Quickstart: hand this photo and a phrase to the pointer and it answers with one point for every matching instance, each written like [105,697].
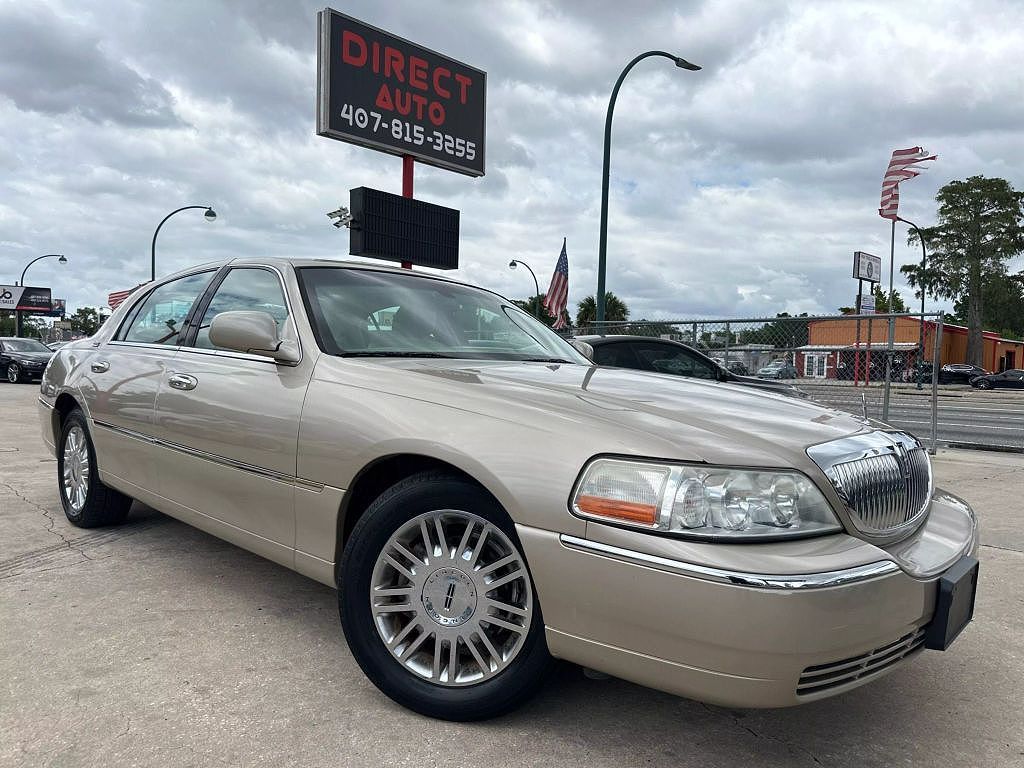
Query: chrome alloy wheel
[76,468]
[451,598]
[13,373]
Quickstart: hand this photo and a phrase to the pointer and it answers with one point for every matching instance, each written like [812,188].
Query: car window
[161,317]
[383,314]
[616,355]
[665,358]
[250,289]
[23,345]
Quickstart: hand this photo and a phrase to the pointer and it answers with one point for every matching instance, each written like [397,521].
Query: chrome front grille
[826,676]
[885,479]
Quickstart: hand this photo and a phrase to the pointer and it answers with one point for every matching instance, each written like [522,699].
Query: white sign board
[867,304]
[867,267]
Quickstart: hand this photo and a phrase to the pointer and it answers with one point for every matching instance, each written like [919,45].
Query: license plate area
[954,605]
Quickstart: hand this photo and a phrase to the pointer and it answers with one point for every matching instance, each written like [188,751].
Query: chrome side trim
[43,402]
[735,578]
[223,460]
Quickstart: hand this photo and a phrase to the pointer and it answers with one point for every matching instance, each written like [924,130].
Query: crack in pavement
[1004,549]
[793,748]
[49,516]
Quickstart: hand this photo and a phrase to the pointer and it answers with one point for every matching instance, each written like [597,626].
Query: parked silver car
[486,499]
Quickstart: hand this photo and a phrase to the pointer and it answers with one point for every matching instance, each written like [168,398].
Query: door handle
[100,366]
[182,381]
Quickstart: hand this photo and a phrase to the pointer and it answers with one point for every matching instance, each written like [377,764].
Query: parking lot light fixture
[61,259]
[602,255]
[209,215]
[536,285]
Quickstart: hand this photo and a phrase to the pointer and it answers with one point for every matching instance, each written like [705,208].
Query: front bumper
[744,638]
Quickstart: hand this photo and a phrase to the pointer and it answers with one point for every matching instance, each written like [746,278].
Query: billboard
[387,226]
[867,267]
[384,92]
[24,299]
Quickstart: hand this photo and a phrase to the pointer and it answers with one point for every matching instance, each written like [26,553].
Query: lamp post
[210,215]
[61,258]
[924,264]
[536,285]
[602,255]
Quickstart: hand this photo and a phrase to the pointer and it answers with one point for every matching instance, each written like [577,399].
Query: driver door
[229,422]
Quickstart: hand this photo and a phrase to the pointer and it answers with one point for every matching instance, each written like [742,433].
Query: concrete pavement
[154,644]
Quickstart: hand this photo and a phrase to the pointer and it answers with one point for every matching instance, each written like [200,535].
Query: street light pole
[61,258]
[602,254]
[536,285]
[924,264]
[210,215]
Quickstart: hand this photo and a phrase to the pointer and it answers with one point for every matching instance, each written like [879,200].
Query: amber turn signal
[615,509]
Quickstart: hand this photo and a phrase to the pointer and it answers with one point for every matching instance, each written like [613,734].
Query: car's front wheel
[13,373]
[87,502]
[437,603]
[983,384]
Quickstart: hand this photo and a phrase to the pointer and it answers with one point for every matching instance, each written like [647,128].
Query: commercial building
[838,349]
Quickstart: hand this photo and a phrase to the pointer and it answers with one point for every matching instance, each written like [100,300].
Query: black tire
[102,505]
[984,384]
[423,493]
[13,373]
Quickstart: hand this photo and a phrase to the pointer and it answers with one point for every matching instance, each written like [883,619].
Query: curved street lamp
[603,249]
[924,263]
[210,215]
[536,285]
[61,258]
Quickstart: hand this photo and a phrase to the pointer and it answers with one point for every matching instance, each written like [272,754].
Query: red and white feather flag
[902,166]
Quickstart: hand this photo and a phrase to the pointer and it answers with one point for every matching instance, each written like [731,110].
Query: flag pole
[892,324]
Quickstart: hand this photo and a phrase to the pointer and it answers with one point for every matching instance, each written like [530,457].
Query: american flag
[558,292]
[902,166]
[114,300]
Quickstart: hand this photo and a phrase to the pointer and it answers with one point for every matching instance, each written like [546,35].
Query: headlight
[703,501]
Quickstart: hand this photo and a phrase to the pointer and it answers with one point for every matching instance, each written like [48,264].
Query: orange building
[833,345]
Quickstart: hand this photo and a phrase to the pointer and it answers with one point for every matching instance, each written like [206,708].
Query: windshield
[24,345]
[382,314]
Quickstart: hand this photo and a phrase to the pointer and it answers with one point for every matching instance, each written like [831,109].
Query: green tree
[882,300]
[535,306]
[615,309]
[1002,307]
[86,320]
[981,227]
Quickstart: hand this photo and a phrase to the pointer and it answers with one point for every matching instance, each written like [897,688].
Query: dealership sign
[383,92]
[24,299]
[867,304]
[867,267]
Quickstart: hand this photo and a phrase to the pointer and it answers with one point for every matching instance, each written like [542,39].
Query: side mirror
[254,333]
[583,348]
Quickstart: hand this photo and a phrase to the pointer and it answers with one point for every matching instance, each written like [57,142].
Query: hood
[616,410]
[34,357]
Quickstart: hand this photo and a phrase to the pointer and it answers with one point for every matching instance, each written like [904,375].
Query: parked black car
[959,373]
[1010,379]
[23,359]
[647,353]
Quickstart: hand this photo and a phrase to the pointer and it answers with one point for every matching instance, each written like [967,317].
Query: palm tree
[614,309]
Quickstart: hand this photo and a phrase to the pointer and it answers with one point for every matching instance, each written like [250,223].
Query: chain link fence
[887,367]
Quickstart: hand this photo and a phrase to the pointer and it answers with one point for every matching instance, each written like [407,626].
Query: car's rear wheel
[87,502]
[13,373]
[983,384]
[437,603]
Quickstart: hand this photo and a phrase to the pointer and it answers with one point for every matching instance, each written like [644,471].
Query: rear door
[229,421]
[120,380]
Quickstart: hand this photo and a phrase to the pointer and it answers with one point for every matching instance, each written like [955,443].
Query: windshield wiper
[393,354]
[544,360]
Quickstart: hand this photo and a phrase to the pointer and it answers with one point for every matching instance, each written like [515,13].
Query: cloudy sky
[741,190]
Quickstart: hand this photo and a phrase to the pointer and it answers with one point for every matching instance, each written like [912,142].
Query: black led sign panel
[396,228]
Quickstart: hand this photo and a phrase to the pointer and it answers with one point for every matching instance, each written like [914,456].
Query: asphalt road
[966,416]
[154,644]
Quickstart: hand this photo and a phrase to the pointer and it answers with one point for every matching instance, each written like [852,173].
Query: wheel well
[65,404]
[376,478]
